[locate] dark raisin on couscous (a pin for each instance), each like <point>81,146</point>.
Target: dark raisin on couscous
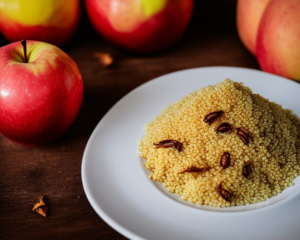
<point>223,146</point>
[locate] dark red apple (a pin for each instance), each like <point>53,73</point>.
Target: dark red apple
<point>140,25</point>
<point>41,92</point>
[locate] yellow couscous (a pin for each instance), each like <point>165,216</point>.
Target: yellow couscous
<point>223,146</point>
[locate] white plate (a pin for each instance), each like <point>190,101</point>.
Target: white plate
<point>117,186</point>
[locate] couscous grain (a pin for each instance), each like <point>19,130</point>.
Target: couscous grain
<point>223,146</point>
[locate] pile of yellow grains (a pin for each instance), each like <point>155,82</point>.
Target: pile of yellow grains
<point>223,146</point>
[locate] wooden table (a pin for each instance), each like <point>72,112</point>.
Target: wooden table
<point>54,170</point>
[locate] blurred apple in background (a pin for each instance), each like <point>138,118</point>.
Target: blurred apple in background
<point>39,97</point>
<point>278,40</point>
<point>249,13</point>
<point>52,21</point>
<point>140,25</point>
<point>270,29</point>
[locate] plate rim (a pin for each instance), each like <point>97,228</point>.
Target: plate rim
<point>97,208</point>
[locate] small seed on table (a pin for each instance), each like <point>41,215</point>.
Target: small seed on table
<point>40,207</point>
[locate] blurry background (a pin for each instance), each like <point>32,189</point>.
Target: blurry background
<point>211,39</point>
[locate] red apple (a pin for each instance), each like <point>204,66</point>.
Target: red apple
<point>248,17</point>
<point>52,21</point>
<point>278,40</point>
<point>40,96</point>
<point>140,25</point>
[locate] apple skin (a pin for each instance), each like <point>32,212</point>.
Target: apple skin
<point>52,21</point>
<point>133,24</point>
<point>278,39</point>
<point>39,99</point>
<point>249,13</point>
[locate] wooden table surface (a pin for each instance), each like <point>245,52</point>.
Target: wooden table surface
<point>54,170</point>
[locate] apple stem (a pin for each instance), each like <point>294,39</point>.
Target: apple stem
<point>25,50</point>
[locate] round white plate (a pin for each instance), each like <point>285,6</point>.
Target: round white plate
<point>117,185</point>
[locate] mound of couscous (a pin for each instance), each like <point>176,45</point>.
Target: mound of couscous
<point>223,146</point>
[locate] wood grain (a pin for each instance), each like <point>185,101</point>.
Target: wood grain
<point>54,170</point>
